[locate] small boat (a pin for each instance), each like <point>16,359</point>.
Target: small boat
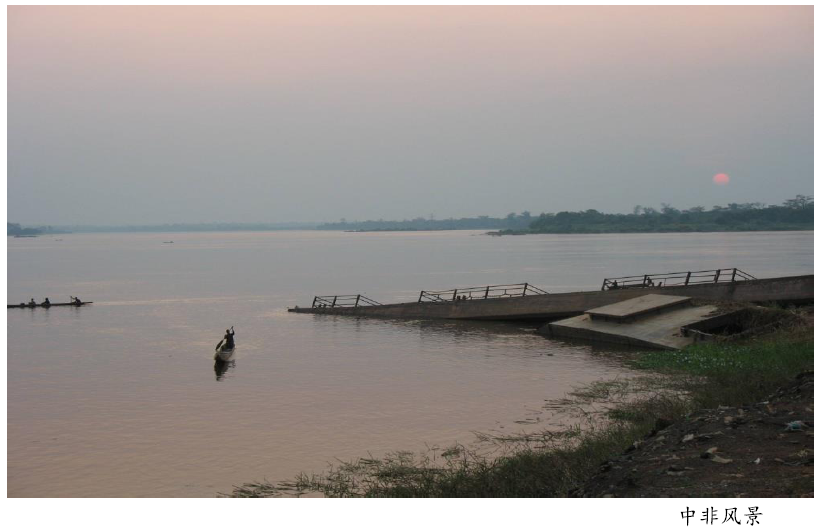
<point>223,354</point>
<point>44,306</point>
<point>225,347</point>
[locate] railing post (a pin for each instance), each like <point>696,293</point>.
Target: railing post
<point>455,295</point>
<point>524,288</point>
<point>420,296</point>
<point>687,278</point>
<point>733,275</point>
<point>314,301</point>
<point>334,301</point>
<point>356,299</point>
<point>716,276</point>
<point>645,280</point>
<point>486,296</point>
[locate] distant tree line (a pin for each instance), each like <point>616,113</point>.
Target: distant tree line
<point>16,229</point>
<point>183,227</point>
<point>793,214</point>
<point>512,221</point>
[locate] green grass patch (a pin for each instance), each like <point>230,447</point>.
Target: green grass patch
<point>734,373</point>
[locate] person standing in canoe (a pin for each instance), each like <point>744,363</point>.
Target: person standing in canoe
<point>227,340</point>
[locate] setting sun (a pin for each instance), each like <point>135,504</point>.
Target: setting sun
<point>721,179</point>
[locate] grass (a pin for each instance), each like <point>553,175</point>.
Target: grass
<point>615,414</point>
<point>559,463</point>
<point>735,372</point>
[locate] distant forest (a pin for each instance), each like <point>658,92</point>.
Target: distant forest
<point>182,227</point>
<point>484,222</point>
<point>16,229</point>
<point>793,214</point>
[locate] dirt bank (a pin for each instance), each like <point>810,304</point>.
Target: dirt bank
<point>760,450</point>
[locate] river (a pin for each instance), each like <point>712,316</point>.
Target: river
<point>121,398</point>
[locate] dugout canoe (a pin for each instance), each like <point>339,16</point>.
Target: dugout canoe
<point>41,306</point>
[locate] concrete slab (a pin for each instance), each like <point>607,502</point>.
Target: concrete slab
<point>632,309</point>
<point>550,307</point>
<point>656,331</point>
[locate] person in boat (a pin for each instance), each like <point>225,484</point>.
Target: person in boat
<point>76,301</point>
<point>229,338</point>
<point>46,303</point>
<point>32,303</point>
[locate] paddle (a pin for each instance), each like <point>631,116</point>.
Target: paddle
<point>218,345</point>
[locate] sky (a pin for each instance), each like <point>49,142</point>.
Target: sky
<point>150,115</point>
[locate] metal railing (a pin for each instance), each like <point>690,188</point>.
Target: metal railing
<point>347,300</point>
<point>674,279</point>
<point>488,292</point>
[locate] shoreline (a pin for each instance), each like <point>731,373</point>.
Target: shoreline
<point>501,233</point>
<point>710,407</point>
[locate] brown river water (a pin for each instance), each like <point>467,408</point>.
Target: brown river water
<point>121,398</point>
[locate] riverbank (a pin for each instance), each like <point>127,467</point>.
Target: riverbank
<point>764,449</point>
<point>636,435</point>
<point>599,230</point>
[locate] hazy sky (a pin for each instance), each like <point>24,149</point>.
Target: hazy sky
<point>144,115</point>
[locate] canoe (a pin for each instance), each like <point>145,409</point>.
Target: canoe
<point>224,355</point>
<point>41,306</point>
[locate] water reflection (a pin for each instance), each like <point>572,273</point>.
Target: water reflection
<point>448,328</point>
<point>482,329</point>
<point>222,361</point>
<point>491,338</point>
<point>220,367</point>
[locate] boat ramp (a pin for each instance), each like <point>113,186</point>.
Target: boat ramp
<point>525,302</point>
<point>654,321</point>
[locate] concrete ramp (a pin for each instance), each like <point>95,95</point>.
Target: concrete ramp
<point>530,305</point>
<point>632,309</point>
<point>652,321</point>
